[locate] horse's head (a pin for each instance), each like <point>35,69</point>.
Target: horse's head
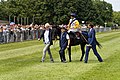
<point>56,29</point>
<point>56,32</point>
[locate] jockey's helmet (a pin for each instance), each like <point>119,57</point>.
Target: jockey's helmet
<point>73,14</point>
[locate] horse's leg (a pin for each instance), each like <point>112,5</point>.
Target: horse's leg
<point>69,53</point>
<point>83,51</point>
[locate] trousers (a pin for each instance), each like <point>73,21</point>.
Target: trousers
<point>62,54</point>
<point>95,52</point>
<point>47,48</point>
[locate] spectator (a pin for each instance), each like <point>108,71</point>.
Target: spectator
<point>1,34</point>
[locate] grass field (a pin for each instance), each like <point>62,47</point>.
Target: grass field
<point>21,61</point>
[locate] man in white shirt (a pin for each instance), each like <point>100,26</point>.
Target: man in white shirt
<point>47,38</point>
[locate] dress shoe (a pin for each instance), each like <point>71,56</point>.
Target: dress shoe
<point>101,61</point>
<point>64,61</point>
<point>52,61</point>
<point>85,61</point>
<point>42,61</point>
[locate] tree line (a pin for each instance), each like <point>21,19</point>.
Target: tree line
<point>56,11</point>
<point>116,18</point>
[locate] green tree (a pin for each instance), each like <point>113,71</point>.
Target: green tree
<point>102,12</point>
<point>116,17</point>
<point>57,11</point>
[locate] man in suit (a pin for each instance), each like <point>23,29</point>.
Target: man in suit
<point>47,38</point>
<point>64,43</point>
<point>92,42</point>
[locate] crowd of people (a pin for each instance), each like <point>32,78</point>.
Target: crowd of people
<point>17,32</point>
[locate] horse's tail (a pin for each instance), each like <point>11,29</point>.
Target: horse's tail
<point>98,44</point>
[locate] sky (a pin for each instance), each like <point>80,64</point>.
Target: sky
<point>115,4</point>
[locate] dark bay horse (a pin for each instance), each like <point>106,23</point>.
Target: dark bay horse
<point>73,40</point>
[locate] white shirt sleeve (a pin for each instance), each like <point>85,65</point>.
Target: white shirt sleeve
<point>67,36</point>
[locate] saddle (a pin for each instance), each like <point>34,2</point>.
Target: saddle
<point>74,38</point>
<point>77,37</point>
<point>74,35</point>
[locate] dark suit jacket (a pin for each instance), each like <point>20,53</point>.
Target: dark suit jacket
<point>50,36</point>
<point>63,40</point>
<point>91,37</point>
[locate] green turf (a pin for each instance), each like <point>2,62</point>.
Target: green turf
<point>21,61</point>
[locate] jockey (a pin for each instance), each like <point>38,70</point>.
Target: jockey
<point>73,25</point>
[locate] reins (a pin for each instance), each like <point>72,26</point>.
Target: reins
<point>83,37</point>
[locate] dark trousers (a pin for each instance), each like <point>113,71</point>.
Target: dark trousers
<point>1,37</point>
<point>95,52</point>
<point>62,54</point>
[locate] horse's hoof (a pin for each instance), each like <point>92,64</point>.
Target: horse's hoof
<point>80,60</point>
<point>70,61</point>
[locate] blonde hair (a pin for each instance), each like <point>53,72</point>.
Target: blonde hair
<point>47,24</point>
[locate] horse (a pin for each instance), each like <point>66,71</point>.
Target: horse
<point>76,38</point>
